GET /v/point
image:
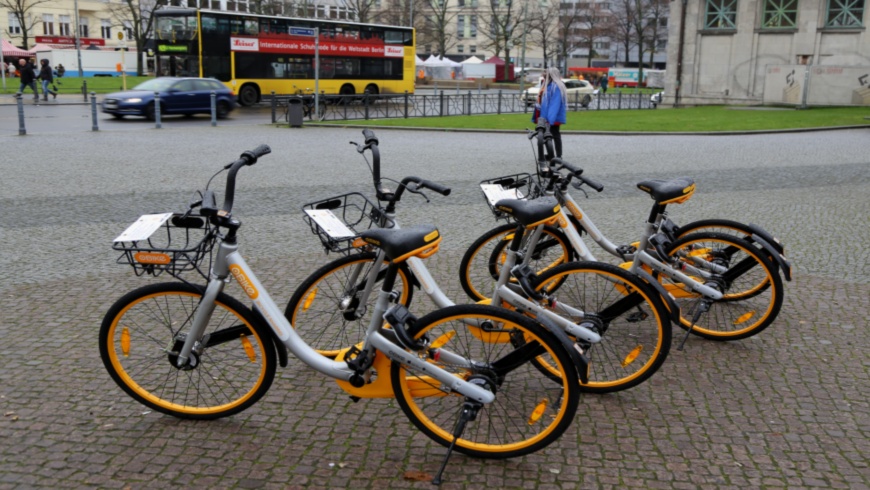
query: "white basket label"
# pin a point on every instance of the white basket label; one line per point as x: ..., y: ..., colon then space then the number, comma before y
x: 330, y: 223
x: 143, y: 228
x: 495, y: 193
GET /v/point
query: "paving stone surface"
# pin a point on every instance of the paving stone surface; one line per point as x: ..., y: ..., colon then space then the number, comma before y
x: 785, y: 409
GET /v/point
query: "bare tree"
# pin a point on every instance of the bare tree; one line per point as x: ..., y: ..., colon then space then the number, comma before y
x: 594, y: 23
x: 438, y: 26
x: 569, y: 18
x: 22, y: 11
x: 655, y: 13
x: 504, y: 18
x: 623, y: 25
x: 138, y: 17
x: 362, y: 10
x: 544, y: 28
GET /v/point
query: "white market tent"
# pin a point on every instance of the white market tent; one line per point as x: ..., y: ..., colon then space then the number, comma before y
x: 442, y: 68
x: 474, y: 67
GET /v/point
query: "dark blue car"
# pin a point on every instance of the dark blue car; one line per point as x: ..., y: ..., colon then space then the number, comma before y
x: 177, y: 96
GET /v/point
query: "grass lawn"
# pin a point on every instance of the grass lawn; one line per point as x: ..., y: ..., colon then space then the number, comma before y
x: 73, y: 85
x: 689, y: 119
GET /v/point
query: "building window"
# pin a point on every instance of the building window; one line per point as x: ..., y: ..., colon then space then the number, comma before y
x: 14, y: 25
x: 472, y: 48
x: 63, y: 24
x: 845, y: 13
x: 106, y: 29
x: 473, y: 32
x: 47, y: 24
x: 460, y: 26
x: 128, y: 29
x: 83, y: 27
x: 779, y: 14
x: 721, y: 14
x: 460, y: 48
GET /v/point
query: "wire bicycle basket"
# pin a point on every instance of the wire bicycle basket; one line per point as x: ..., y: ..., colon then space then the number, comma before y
x: 338, y: 220
x: 171, y: 243
x: 515, y: 186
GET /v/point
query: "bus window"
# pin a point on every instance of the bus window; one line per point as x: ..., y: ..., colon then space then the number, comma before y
x: 176, y: 28
x: 395, y: 37
x: 251, y: 27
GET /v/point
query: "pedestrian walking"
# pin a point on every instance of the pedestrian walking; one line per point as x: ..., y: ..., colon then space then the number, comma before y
x: 553, y: 100
x: 603, y: 83
x: 47, y: 78
x: 28, y: 78
x: 11, y: 69
x: 60, y: 70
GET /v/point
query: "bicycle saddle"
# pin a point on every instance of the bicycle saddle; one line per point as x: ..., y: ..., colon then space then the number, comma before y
x: 674, y: 191
x: 530, y: 213
x: 402, y: 243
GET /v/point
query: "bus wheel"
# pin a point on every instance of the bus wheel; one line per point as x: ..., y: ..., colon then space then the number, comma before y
x: 249, y: 95
x: 346, y: 91
x: 371, y: 89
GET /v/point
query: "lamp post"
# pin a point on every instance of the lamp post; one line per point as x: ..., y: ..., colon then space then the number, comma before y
x: 78, y: 40
x: 2, y: 63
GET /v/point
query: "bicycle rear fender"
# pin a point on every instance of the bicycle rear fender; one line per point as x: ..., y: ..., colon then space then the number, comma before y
x: 767, y: 236
x: 780, y: 259
x: 579, y: 360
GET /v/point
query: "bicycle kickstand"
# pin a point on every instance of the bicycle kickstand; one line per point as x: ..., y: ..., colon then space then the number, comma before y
x: 703, y: 307
x: 468, y: 413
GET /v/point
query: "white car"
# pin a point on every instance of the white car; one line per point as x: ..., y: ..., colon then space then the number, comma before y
x: 578, y: 90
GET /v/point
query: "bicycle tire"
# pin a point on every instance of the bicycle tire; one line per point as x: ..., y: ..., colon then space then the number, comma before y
x: 479, y: 268
x: 752, y: 286
x: 531, y: 409
x: 315, y: 311
x: 231, y: 373
x: 625, y: 311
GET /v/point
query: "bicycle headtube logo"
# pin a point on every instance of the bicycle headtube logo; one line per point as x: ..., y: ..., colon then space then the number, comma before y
x: 152, y: 258
x: 244, y: 282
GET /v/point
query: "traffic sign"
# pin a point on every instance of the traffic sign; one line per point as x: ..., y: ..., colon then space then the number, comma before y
x: 302, y: 31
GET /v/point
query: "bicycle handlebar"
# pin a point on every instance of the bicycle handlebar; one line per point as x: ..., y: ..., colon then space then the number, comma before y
x: 208, y: 205
x: 577, y: 172
x: 371, y: 143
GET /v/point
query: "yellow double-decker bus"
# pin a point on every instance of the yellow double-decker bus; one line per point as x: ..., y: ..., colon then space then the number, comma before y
x: 258, y: 54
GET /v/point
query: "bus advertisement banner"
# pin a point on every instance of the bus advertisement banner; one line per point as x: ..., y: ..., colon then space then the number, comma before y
x: 327, y: 48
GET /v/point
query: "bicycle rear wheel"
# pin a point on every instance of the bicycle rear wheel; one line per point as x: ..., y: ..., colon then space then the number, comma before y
x: 531, y: 408
x: 481, y: 264
x: 750, y: 282
x: 327, y: 309
x: 633, y: 322
x: 230, y: 369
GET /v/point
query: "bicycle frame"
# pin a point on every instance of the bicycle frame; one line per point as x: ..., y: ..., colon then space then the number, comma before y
x: 638, y: 259
x: 230, y: 262
x: 502, y: 292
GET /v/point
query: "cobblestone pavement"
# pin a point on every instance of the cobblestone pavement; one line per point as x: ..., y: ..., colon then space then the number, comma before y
x: 787, y: 408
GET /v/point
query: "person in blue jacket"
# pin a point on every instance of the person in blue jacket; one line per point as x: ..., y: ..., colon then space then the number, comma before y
x: 553, y: 106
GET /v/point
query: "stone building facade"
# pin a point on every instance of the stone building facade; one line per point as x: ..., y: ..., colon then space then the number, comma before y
x: 728, y: 51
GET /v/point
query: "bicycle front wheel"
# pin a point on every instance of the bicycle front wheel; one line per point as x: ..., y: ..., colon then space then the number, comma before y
x: 331, y: 309
x: 230, y: 369
x: 632, y: 321
x: 481, y: 265
x: 531, y: 408
x: 751, y: 285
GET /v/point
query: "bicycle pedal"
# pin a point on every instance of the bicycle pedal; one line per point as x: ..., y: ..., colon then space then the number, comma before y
x: 398, y: 317
x: 626, y: 249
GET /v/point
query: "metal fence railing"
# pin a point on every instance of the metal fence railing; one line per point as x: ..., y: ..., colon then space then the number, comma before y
x: 386, y: 106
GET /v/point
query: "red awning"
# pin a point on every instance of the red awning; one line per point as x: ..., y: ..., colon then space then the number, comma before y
x: 10, y: 50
